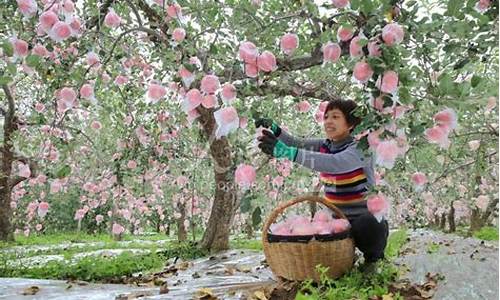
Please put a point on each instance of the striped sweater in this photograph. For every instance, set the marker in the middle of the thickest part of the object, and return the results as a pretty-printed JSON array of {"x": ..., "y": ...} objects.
[{"x": 345, "y": 172}]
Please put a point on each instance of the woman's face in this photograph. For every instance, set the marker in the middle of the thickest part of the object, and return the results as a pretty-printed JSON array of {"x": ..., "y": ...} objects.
[{"x": 335, "y": 125}]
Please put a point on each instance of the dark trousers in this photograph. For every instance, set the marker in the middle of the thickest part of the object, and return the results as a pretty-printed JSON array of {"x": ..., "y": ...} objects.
[{"x": 370, "y": 236}]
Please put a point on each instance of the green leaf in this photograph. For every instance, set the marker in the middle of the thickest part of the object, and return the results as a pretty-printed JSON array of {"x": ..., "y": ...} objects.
[
  {"x": 411, "y": 3},
  {"x": 5, "y": 79},
  {"x": 404, "y": 95},
  {"x": 366, "y": 6},
  {"x": 63, "y": 171},
  {"x": 7, "y": 48},
  {"x": 355, "y": 4},
  {"x": 454, "y": 7},
  {"x": 462, "y": 89},
  {"x": 246, "y": 203},
  {"x": 256, "y": 217},
  {"x": 475, "y": 80},
  {"x": 363, "y": 42},
  {"x": 446, "y": 83},
  {"x": 12, "y": 68},
  {"x": 32, "y": 60},
  {"x": 191, "y": 68},
  {"x": 213, "y": 49},
  {"x": 363, "y": 142},
  {"x": 417, "y": 129}
]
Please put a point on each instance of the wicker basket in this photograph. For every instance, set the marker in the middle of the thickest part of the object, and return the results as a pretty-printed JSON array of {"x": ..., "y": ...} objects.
[{"x": 298, "y": 260}]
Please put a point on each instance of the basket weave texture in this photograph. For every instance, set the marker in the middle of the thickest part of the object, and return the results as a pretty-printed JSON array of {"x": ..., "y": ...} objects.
[{"x": 298, "y": 260}]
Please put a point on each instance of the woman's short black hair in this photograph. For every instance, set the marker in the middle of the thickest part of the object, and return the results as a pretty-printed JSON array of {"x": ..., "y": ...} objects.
[{"x": 347, "y": 107}]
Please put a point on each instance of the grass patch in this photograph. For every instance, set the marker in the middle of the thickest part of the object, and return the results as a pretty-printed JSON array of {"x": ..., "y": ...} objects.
[
  {"x": 100, "y": 269},
  {"x": 184, "y": 250},
  {"x": 432, "y": 247},
  {"x": 246, "y": 244},
  {"x": 355, "y": 284},
  {"x": 76, "y": 237},
  {"x": 60, "y": 238},
  {"x": 395, "y": 242},
  {"x": 487, "y": 233},
  {"x": 71, "y": 250},
  {"x": 91, "y": 268}
]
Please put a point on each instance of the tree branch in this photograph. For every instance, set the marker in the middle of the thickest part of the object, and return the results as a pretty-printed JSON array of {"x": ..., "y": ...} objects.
[
  {"x": 136, "y": 13},
  {"x": 446, "y": 172},
  {"x": 140, "y": 28},
  {"x": 288, "y": 65},
  {"x": 153, "y": 17},
  {"x": 9, "y": 116}
]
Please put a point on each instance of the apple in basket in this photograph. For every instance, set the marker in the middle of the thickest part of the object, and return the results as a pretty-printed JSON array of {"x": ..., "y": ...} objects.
[{"x": 322, "y": 223}]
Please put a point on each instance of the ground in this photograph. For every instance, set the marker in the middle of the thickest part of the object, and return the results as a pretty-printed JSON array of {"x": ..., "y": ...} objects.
[{"x": 421, "y": 263}]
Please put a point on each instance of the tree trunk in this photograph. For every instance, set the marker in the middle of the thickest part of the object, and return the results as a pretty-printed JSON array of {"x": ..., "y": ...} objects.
[
  {"x": 216, "y": 235},
  {"x": 181, "y": 229},
  {"x": 193, "y": 230},
  {"x": 157, "y": 225},
  {"x": 249, "y": 229},
  {"x": 451, "y": 218},
  {"x": 114, "y": 207},
  {"x": 313, "y": 207},
  {"x": 5, "y": 225},
  {"x": 436, "y": 221},
  {"x": 475, "y": 221},
  {"x": 442, "y": 224},
  {"x": 9, "y": 126},
  {"x": 490, "y": 210}
]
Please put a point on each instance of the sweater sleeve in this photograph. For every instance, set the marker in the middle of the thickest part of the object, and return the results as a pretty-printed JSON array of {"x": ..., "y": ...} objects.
[
  {"x": 309, "y": 144},
  {"x": 346, "y": 161}
]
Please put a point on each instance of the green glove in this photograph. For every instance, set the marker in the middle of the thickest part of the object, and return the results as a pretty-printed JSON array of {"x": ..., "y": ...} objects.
[
  {"x": 269, "y": 124},
  {"x": 269, "y": 144}
]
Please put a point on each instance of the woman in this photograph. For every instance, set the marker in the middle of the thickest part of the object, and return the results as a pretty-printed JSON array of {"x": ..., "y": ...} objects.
[{"x": 345, "y": 172}]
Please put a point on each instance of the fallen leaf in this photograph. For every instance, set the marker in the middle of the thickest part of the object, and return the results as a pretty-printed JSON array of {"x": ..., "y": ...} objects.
[
  {"x": 150, "y": 283},
  {"x": 229, "y": 270},
  {"x": 32, "y": 290},
  {"x": 244, "y": 269},
  {"x": 196, "y": 275},
  {"x": 205, "y": 294},
  {"x": 78, "y": 282},
  {"x": 164, "y": 288},
  {"x": 259, "y": 295},
  {"x": 425, "y": 294},
  {"x": 158, "y": 281},
  {"x": 168, "y": 271},
  {"x": 411, "y": 291},
  {"x": 285, "y": 289},
  {"x": 387, "y": 297},
  {"x": 183, "y": 265},
  {"x": 134, "y": 295}
]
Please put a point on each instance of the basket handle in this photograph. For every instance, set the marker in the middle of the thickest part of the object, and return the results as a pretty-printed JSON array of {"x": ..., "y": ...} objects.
[{"x": 278, "y": 210}]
